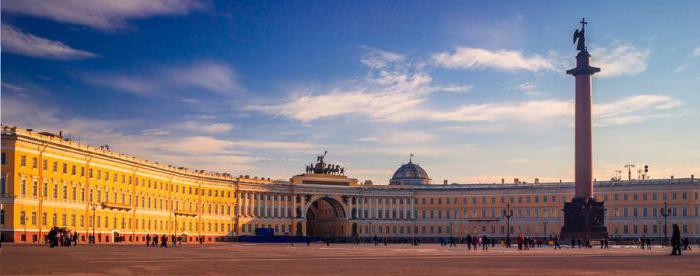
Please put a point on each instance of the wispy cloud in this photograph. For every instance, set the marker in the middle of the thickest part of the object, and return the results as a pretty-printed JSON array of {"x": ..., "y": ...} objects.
[
  {"x": 395, "y": 94},
  {"x": 197, "y": 144},
  {"x": 206, "y": 127},
  {"x": 204, "y": 75},
  {"x": 100, "y": 14},
  {"x": 621, "y": 59},
  {"x": 696, "y": 52},
  {"x": 505, "y": 60},
  {"x": 26, "y": 44},
  {"x": 529, "y": 88},
  {"x": 634, "y": 109},
  {"x": 390, "y": 88}
]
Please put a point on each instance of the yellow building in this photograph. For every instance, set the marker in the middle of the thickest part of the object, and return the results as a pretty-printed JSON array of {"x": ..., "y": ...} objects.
[{"x": 48, "y": 180}]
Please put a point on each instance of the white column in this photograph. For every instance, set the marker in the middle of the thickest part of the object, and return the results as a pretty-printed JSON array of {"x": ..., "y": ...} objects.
[{"x": 294, "y": 205}]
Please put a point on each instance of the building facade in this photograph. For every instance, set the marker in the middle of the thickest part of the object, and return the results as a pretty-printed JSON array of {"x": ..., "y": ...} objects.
[{"x": 48, "y": 180}]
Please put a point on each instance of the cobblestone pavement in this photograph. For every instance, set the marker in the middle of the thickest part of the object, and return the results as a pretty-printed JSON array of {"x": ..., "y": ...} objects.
[{"x": 338, "y": 259}]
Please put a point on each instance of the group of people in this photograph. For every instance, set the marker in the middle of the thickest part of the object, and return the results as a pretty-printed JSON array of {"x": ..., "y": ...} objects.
[
  {"x": 61, "y": 237},
  {"x": 644, "y": 243},
  {"x": 677, "y": 241},
  {"x": 153, "y": 240}
]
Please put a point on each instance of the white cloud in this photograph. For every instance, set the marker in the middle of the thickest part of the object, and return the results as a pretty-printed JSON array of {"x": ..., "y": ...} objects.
[
  {"x": 528, "y": 111},
  {"x": 390, "y": 88},
  {"x": 207, "y": 127},
  {"x": 696, "y": 52},
  {"x": 528, "y": 88},
  {"x": 380, "y": 59},
  {"x": 455, "y": 88},
  {"x": 100, "y": 14},
  {"x": 13, "y": 87},
  {"x": 634, "y": 109},
  {"x": 622, "y": 59},
  {"x": 174, "y": 144},
  {"x": 208, "y": 75},
  {"x": 476, "y": 58},
  {"x": 395, "y": 94},
  {"x": 18, "y": 42},
  {"x": 204, "y": 75}
]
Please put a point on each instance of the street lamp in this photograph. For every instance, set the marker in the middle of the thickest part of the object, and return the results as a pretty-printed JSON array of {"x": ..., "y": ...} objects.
[
  {"x": 93, "y": 207},
  {"x": 508, "y": 213},
  {"x": 665, "y": 213},
  {"x": 545, "y": 228}
]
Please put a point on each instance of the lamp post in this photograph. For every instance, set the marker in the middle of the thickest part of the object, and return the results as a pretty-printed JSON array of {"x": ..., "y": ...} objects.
[
  {"x": 508, "y": 213},
  {"x": 545, "y": 228},
  {"x": 664, "y": 213},
  {"x": 93, "y": 207}
]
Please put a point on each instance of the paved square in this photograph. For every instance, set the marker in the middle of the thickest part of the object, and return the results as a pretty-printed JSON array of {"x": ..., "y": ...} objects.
[{"x": 338, "y": 259}]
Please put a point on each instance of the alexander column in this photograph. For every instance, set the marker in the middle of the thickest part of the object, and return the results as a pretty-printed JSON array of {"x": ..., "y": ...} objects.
[{"x": 584, "y": 217}]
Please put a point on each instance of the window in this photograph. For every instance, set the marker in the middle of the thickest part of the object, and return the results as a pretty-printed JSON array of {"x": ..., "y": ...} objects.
[
  {"x": 23, "y": 187},
  {"x": 23, "y": 161},
  {"x": 55, "y": 166},
  {"x": 35, "y": 187},
  {"x": 65, "y": 168},
  {"x": 72, "y": 170},
  {"x": 3, "y": 185},
  {"x": 22, "y": 218},
  {"x": 35, "y": 163}
]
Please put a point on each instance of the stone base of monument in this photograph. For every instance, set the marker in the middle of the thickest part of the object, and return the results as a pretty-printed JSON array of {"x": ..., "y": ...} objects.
[{"x": 584, "y": 218}]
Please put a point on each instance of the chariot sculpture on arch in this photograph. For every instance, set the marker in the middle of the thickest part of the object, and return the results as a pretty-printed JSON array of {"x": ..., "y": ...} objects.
[{"x": 321, "y": 167}]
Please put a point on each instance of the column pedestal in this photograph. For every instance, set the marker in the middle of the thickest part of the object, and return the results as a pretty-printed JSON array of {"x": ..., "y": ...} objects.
[{"x": 584, "y": 218}]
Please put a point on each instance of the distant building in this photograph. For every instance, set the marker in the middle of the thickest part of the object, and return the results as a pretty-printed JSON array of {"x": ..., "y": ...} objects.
[{"x": 48, "y": 180}]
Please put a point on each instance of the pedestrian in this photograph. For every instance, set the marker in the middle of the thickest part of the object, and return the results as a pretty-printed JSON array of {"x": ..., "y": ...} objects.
[
  {"x": 148, "y": 239},
  {"x": 521, "y": 240},
  {"x": 75, "y": 238},
  {"x": 469, "y": 242},
  {"x": 676, "y": 241},
  {"x": 573, "y": 243},
  {"x": 155, "y": 240},
  {"x": 164, "y": 241},
  {"x": 172, "y": 240},
  {"x": 648, "y": 244}
]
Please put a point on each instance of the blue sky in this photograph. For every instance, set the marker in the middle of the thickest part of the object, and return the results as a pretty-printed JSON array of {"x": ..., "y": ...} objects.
[{"x": 475, "y": 90}]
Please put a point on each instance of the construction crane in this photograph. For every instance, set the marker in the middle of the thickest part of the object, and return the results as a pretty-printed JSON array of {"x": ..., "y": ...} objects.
[{"x": 629, "y": 171}]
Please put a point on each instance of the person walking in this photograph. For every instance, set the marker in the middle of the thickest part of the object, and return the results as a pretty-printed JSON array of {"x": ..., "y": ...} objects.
[
  {"x": 155, "y": 240},
  {"x": 75, "y": 238},
  {"x": 164, "y": 241},
  {"x": 148, "y": 239},
  {"x": 676, "y": 241}
]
